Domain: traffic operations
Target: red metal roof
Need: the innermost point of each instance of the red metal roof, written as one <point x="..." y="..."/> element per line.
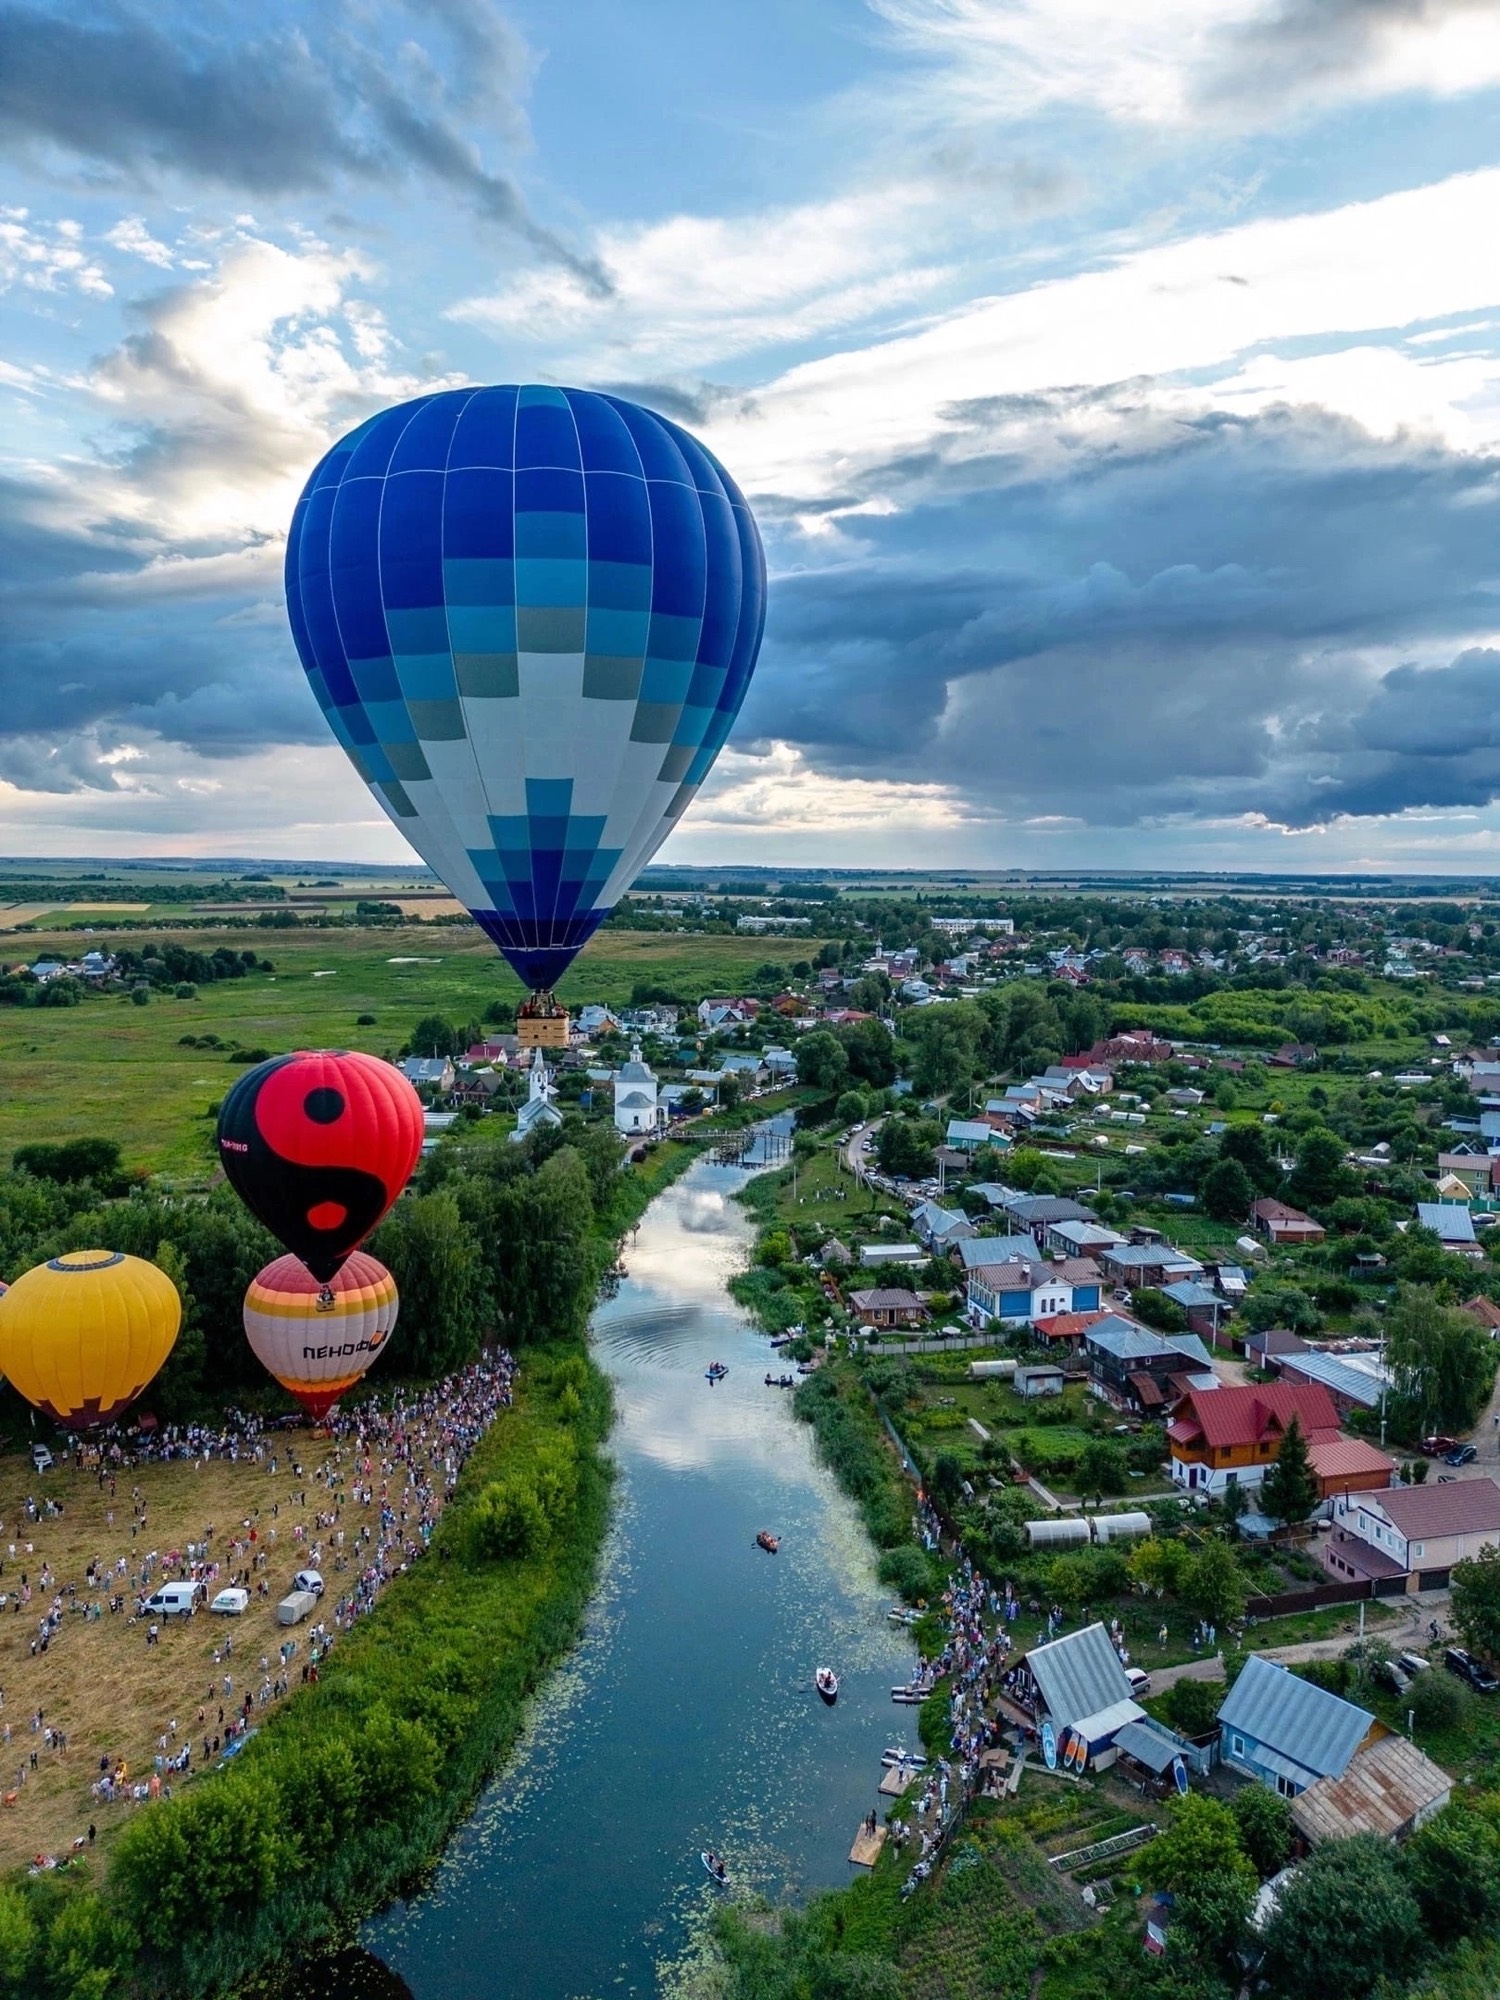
<point x="1241" y="1415"/>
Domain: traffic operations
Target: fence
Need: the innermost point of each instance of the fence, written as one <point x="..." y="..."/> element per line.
<point x="1311" y="1599"/>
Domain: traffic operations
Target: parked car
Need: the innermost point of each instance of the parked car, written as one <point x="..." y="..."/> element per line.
<point x="294" y="1608"/>
<point x="1393" y="1676"/>
<point x="1413" y="1663"/>
<point x="1464" y="1454"/>
<point x="232" y="1603"/>
<point x="173" y="1600"/>
<point x="1438" y="1444"/>
<point x="1140" y="1682"/>
<point x="1458" y="1661"/>
<point x="308" y="1579"/>
<point x="41" y="1459"/>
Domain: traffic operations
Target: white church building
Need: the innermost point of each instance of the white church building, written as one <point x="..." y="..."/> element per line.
<point x="638" y="1111"/>
<point x="538" y="1112"/>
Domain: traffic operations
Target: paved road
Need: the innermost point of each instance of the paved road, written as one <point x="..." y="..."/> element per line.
<point x="856" y="1153"/>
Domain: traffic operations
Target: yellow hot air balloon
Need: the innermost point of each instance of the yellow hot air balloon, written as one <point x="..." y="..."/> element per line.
<point x="81" y="1336"/>
<point x="317" y="1340"/>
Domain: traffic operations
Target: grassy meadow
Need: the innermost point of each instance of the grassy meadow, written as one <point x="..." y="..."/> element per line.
<point x="119" y="1071"/>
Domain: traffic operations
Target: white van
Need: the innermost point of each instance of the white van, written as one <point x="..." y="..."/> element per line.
<point x="233" y="1602"/>
<point x="41" y="1458"/>
<point x="292" y="1610"/>
<point x="308" y="1579"/>
<point x="1140" y="1682"/>
<point x="173" y="1600"/>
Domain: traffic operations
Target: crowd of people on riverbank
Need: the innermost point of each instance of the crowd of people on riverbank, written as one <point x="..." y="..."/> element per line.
<point x="388" y="1471"/>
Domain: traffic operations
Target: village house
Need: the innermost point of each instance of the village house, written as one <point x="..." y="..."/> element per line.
<point x="1206" y="1311"/>
<point x="1022" y="1293"/>
<point x="1135" y="1368"/>
<point x="1287" y="1732"/>
<point x="726" y="1013"/>
<point x="1486" y="1312"/>
<point x="1231" y="1436"/>
<point x="1415" y="1532"/>
<point x="1080" y="1239"/>
<point x="1453" y="1226"/>
<point x="1078" y="1684"/>
<point x="1349" y="1465"/>
<point x="1358" y="1381"/>
<point x="1038" y="1212"/>
<point x="940" y="1228"/>
<point x="1265" y="1348"/>
<point x="967" y="1135"/>
<point x="1285" y="1225"/>
<point x="1153" y="1264"/>
<point x="1388" y="1788"/>
<point x="887" y="1306"/>
<point x="427" y="1072"/>
<point x="878" y="1255"/>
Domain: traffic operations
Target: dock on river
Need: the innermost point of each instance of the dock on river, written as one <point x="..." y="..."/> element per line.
<point x="895" y="1779"/>
<point x="866" y="1849"/>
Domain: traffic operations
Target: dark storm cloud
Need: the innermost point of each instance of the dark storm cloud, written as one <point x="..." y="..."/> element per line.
<point x="1123" y="621"/>
<point x="276" y="113"/>
<point x="1305" y="46"/>
<point x="94" y="653"/>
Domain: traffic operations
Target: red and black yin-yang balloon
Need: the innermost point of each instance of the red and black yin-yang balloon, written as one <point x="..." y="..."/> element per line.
<point x="318" y="1145"/>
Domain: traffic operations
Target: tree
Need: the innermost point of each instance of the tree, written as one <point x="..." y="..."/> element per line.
<point x="1475" y="1601"/>
<point x="851" y="1108"/>
<point x="1442" y="1359"/>
<point x="947" y="1482"/>
<point x="1159" y="1565"/>
<point x="19" y="1938"/>
<point x="1438" y="1702"/>
<point x="1290" y="1490"/>
<point x="905" y="1146"/>
<point x="1156" y="1309"/>
<point x="436" y="1263"/>
<point x="871" y="1050"/>
<point x="177" y="1386"/>
<point x="822" y="1062"/>
<point x="1214" y="1585"/>
<point x="1265" y="1826"/>
<point x="1193" y="1707"/>
<point x="1102" y="1468"/>
<point x="1215" y="1908"/>
<point x="1320" y="1175"/>
<point x="1281" y="1305"/>
<point x="1200" y="1838"/>
<point x="1345" y="1921"/>
<point x="947" y="1041"/>
<point x="1249" y="1145"/>
<point x="1453" y="1866"/>
<point x="1227" y="1192"/>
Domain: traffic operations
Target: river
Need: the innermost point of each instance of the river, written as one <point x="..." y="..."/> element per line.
<point x="687" y="1717"/>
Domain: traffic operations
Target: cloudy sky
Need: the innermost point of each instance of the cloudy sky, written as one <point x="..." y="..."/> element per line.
<point x="1117" y="384"/>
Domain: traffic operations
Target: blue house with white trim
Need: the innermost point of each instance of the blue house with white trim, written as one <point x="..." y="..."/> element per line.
<point x="1279" y="1728"/>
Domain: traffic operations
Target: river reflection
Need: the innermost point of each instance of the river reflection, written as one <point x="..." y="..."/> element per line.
<point x="687" y="1718"/>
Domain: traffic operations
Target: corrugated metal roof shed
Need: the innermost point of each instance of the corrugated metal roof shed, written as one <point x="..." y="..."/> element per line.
<point x="1078" y="1675"/>
<point x="1304" y="1725"/>
<point x="1389" y="1785"/>
<point x="1149" y="1744"/>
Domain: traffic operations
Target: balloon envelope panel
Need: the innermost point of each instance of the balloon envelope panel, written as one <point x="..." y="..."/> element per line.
<point x="530" y="616"/>
<point x="81" y="1336"/>
<point x="317" y="1340"/>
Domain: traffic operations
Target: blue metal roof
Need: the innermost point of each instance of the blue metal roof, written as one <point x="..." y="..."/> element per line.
<point x="1307" y="1726"/>
<point x="1078" y="1675"/>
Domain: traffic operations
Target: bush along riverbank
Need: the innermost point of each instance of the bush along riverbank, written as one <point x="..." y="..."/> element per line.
<point x="356" y="1784"/>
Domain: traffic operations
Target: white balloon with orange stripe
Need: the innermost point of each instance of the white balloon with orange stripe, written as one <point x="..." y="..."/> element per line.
<point x="318" y="1340"/>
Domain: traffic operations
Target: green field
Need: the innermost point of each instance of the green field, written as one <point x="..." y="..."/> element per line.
<point x="116" y="1070"/>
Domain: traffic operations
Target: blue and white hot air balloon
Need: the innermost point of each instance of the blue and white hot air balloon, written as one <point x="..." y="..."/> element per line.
<point x="530" y="616"/>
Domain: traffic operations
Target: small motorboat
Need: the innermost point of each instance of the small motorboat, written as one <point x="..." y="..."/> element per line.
<point x="909" y="1760"/>
<point x="714" y="1863"/>
<point x="767" y="1541"/>
<point x="716" y="1371"/>
<point x="902" y="1614"/>
<point x="826" y="1681"/>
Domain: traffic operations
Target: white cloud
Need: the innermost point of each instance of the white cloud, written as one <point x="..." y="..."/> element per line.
<point x="694" y="290"/>
<point x="47" y="257"/>
<point x="131" y="235"/>
<point x="1172" y="62"/>
<point x="1199" y="305"/>
<point x="233" y="390"/>
<point x="775" y="790"/>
